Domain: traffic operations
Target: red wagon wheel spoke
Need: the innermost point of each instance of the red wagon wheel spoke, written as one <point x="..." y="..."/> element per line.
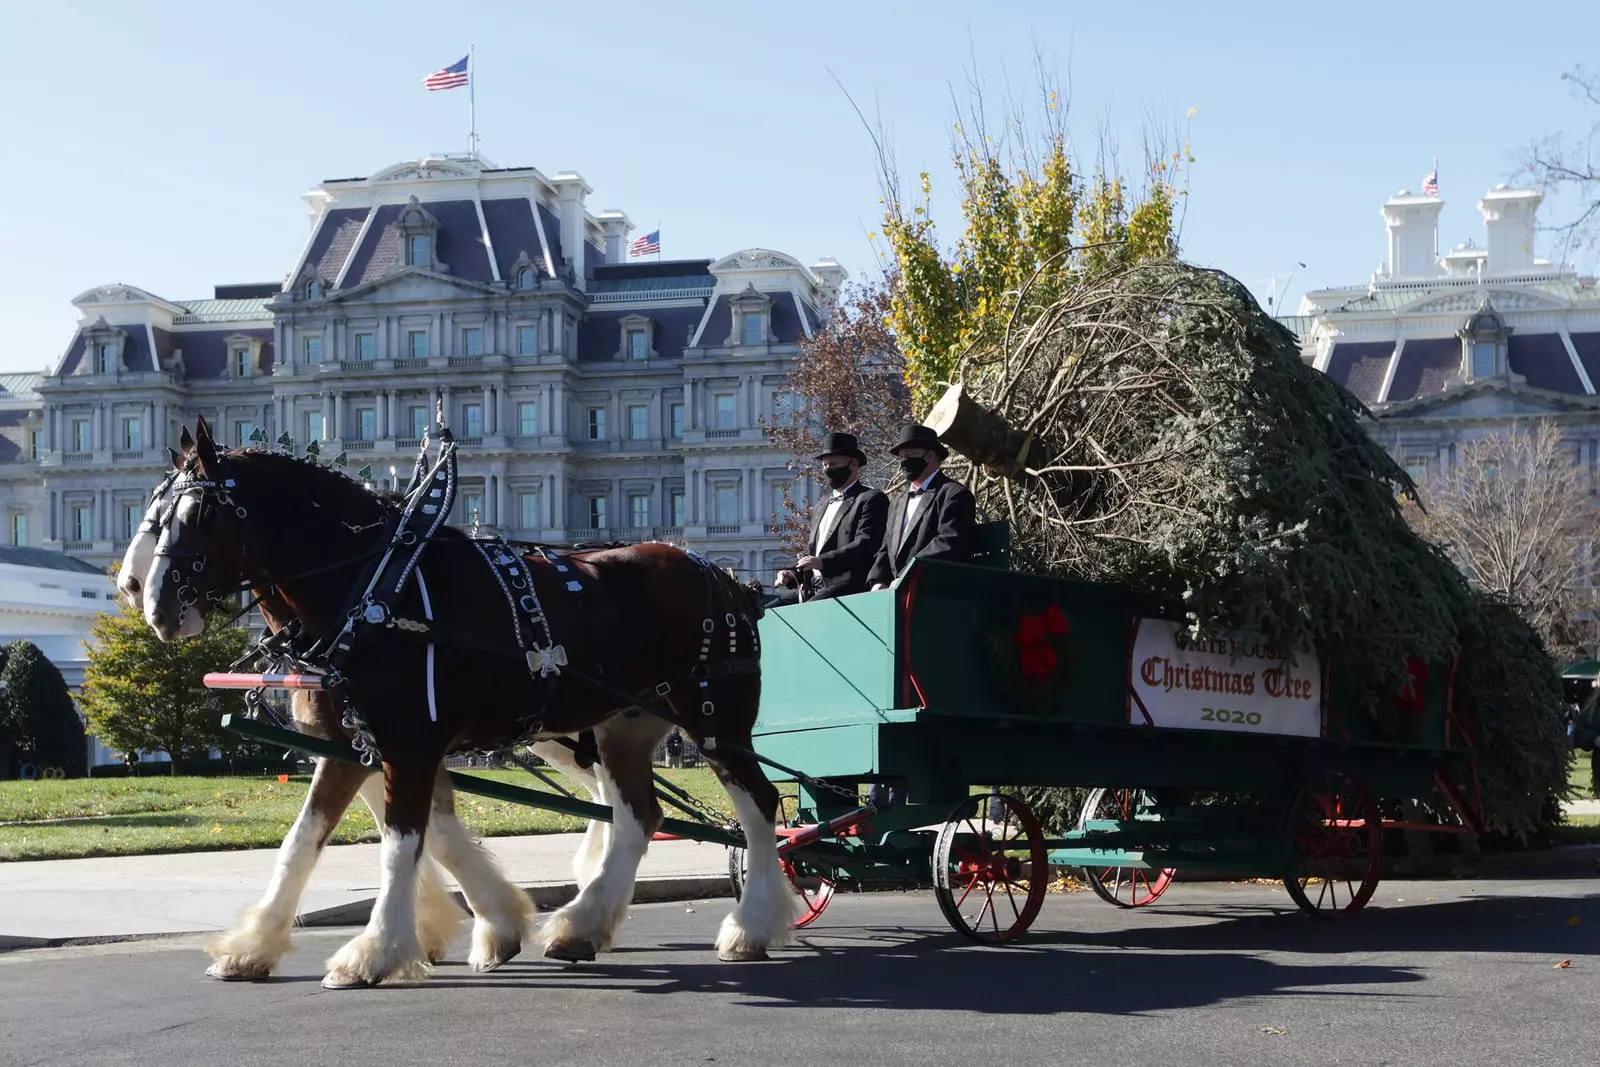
<point x="980" y="856"/>
<point x="810" y="883"/>
<point x="1336" y="831"/>
<point x="1143" y="886"/>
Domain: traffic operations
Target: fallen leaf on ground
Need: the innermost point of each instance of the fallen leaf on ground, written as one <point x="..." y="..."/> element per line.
<point x="1573" y="920"/>
<point x="1273" y="1030"/>
<point x="1563" y="965"/>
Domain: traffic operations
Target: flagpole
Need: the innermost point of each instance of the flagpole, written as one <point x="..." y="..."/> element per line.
<point x="472" y="100"/>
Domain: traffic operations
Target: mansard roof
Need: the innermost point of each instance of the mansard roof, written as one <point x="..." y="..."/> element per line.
<point x="356" y="246"/>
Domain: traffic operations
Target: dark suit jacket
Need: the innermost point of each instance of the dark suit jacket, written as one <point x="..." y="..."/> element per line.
<point x="846" y="554"/>
<point x="942" y="529"/>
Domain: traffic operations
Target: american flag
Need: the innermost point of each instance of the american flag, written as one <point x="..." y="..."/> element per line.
<point x="1430" y="184"/>
<point x="452" y="77"/>
<point x="644" y="246"/>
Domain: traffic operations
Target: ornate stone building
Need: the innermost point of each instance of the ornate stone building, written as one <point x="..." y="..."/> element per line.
<point x="593" y="397"/>
<point x="1444" y="348"/>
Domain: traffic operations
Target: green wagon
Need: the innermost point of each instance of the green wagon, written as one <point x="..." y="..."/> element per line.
<point x="1211" y="760"/>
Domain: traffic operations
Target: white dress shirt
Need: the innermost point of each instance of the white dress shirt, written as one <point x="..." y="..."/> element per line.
<point x="913" y="501"/>
<point x="830" y="514"/>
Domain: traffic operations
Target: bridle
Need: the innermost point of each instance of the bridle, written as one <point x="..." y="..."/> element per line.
<point x="215" y="496"/>
<point x="187" y="565"/>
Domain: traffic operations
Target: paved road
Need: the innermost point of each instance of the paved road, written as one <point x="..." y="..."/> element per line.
<point x="1216" y="974"/>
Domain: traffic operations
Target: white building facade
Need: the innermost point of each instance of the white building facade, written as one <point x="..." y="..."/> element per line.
<point x="594" y="398"/>
<point x="1445" y="348"/>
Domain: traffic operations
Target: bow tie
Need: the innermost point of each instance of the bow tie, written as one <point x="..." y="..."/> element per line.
<point x="916" y="490"/>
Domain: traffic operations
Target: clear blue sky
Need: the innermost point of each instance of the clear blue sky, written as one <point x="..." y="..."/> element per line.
<point x="165" y="144"/>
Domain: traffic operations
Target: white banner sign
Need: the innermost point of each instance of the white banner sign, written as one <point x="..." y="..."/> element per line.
<point x="1221" y="685"/>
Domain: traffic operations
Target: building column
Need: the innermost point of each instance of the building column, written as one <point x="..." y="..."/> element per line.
<point x="491" y="410"/>
<point x="338" y="416"/>
<point x="327" y="413"/>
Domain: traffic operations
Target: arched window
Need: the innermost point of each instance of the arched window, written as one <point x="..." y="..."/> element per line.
<point x="525" y="278"/>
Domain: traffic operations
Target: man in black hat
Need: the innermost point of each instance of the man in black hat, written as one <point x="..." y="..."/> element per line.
<point x="846" y="524"/>
<point x="933" y="519"/>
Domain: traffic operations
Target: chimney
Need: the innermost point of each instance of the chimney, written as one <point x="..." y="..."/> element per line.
<point x="1413" y="224"/>
<point x="830" y="278"/>
<point x="1508" y="217"/>
<point x="616" y="226"/>
<point x="571" y="188"/>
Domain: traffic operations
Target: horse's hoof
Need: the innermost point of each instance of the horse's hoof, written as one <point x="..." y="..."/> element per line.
<point x="742" y="955"/>
<point x="502" y="953"/>
<point x="234" y="971"/>
<point x="344" y="980"/>
<point x="571" y="951"/>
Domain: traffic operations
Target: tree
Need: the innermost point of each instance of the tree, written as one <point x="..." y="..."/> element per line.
<point x="47" y="729"/>
<point x="1557" y="164"/>
<point x="1021" y="203"/>
<point x="848" y="378"/>
<point x="142" y="694"/>
<point x="1513" y="513"/>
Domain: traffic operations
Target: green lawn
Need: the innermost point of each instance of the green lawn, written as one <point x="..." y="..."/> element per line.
<point x="134" y="816"/>
<point x="1582" y="784"/>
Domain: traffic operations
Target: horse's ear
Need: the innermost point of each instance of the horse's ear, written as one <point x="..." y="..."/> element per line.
<point x="185" y="442"/>
<point x="177" y="460"/>
<point x="205" y="447"/>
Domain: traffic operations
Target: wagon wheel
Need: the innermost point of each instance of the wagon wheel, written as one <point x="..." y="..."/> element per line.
<point x="811" y="882"/>
<point x="990" y="874"/>
<point x="1337" y="832"/>
<point x="1126" y="887"/>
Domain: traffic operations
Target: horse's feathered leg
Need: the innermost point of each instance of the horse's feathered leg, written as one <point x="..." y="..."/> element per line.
<point x="259" y="937"/>
<point x="597" y="835"/>
<point x="389" y="950"/>
<point x="589" y="924"/>
<point x="438" y="915"/>
<point x="504" y="912"/>
<point x="768" y="906"/>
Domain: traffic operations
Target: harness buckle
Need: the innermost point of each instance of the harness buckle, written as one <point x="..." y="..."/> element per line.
<point x="708" y="709"/>
<point x="699" y="672"/>
<point x="708" y="626"/>
<point x="663" y="689"/>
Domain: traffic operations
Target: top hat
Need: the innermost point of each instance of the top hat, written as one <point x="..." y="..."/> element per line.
<point x="841" y="444"/>
<point x="913" y="434"/>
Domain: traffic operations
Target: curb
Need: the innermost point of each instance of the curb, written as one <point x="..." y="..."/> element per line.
<point x="356" y="912"/>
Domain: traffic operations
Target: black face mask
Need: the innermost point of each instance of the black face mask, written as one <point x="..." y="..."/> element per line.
<point x="914" y="467"/>
<point x="838" y="477"/>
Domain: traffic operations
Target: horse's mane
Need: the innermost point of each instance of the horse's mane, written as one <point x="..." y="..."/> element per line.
<point x="325" y="484"/>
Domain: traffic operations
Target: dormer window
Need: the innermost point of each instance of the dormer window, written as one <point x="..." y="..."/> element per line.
<point x="755" y="328"/>
<point x="102" y="349"/>
<point x="314" y="289"/>
<point x="524" y="273"/>
<point x="525" y="278"/>
<point x="1483" y="345"/>
<point x="638" y="338"/>
<point x="419" y="236"/>
<point x="752" y="318"/>
<point x="244" y="354"/>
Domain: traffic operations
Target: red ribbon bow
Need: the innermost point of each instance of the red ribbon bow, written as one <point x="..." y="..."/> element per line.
<point x="1034" y="652"/>
<point x="1411" y="685"/>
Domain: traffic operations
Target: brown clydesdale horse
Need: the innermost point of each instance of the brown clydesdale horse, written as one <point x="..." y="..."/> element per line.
<point x="303" y="532"/>
<point x="251" y="948"/>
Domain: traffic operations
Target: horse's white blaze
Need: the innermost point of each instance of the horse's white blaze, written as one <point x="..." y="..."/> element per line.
<point x="504" y="912"/>
<point x="259" y="937"/>
<point x="601" y="905"/>
<point x="155" y="583"/>
<point x="388" y="950"/>
<point x="768" y="906"/>
<point x="141" y="552"/>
